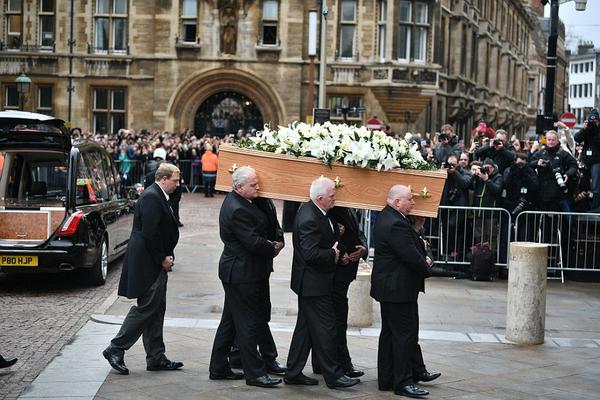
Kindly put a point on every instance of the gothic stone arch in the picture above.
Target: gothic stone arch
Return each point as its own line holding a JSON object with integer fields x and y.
{"x": 190, "y": 95}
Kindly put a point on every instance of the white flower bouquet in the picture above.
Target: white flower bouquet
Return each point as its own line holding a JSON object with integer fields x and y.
{"x": 349, "y": 145}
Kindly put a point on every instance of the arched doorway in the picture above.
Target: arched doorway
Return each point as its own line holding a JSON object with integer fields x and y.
{"x": 194, "y": 93}
{"x": 227, "y": 112}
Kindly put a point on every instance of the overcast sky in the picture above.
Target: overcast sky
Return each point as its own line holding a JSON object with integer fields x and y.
{"x": 581, "y": 25}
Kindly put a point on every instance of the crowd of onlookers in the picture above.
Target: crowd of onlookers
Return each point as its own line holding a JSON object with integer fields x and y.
{"x": 559, "y": 171}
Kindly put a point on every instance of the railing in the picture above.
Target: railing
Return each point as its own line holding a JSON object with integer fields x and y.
{"x": 573, "y": 238}
{"x": 134, "y": 171}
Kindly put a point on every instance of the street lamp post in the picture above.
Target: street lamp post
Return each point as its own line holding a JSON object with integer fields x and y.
{"x": 323, "y": 55}
{"x": 23, "y": 84}
{"x": 580, "y": 5}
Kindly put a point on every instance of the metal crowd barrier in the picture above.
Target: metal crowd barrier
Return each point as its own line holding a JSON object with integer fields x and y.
{"x": 457, "y": 231}
{"x": 134, "y": 171}
{"x": 573, "y": 239}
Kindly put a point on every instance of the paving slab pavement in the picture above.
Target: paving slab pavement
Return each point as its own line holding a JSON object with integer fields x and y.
{"x": 462, "y": 336}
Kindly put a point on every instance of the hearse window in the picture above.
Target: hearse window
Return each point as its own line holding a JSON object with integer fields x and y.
{"x": 99, "y": 175}
{"x": 86, "y": 193}
{"x": 39, "y": 178}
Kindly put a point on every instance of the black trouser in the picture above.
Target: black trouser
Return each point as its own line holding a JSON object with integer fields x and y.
{"x": 266, "y": 344}
{"x": 340, "y": 305}
{"x": 315, "y": 329}
{"x": 399, "y": 356}
{"x": 146, "y": 320}
{"x": 241, "y": 319}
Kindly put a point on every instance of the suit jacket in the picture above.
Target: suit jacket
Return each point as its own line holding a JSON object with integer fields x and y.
{"x": 399, "y": 266}
{"x": 244, "y": 229}
{"x": 313, "y": 265}
{"x": 153, "y": 237}
{"x": 351, "y": 238}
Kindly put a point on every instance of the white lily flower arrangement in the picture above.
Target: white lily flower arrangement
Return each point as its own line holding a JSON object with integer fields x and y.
{"x": 349, "y": 145}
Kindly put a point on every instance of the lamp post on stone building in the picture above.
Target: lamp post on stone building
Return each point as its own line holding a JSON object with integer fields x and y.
{"x": 23, "y": 84}
{"x": 547, "y": 117}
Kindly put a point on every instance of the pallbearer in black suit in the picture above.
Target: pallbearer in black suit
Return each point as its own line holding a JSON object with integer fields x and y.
{"x": 244, "y": 269}
{"x": 355, "y": 243}
{"x": 150, "y": 255}
{"x": 316, "y": 254}
{"x": 399, "y": 271}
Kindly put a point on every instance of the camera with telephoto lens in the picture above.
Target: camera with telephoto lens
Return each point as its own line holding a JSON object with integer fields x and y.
{"x": 559, "y": 178}
{"x": 497, "y": 142}
{"x": 519, "y": 207}
{"x": 443, "y": 136}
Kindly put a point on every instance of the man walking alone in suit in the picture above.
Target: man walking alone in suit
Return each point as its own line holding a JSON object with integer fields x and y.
{"x": 244, "y": 269}
{"x": 150, "y": 255}
{"x": 316, "y": 254}
{"x": 399, "y": 269}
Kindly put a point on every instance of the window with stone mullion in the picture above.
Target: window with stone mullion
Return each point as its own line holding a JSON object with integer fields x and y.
{"x": 14, "y": 23}
{"x": 347, "y": 20}
{"x": 412, "y": 30}
{"x": 110, "y": 26}
{"x": 46, "y": 24}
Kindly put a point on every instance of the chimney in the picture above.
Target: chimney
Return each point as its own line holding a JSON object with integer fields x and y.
{"x": 585, "y": 47}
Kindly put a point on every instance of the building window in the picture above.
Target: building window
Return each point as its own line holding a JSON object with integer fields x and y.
{"x": 270, "y": 18}
{"x": 463, "y": 55}
{"x": 11, "y": 96}
{"x": 110, "y": 26}
{"x": 108, "y": 109}
{"x": 411, "y": 39}
{"x": 530, "y": 88}
{"x": 381, "y": 29}
{"x": 46, "y": 15}
{"x": 189, "y": 21}
{"x": 347, "y": 28}
{"x": 14, "y": 23}
{"x": 44, "y": 99}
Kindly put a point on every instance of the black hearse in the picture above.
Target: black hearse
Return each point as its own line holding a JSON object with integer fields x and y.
{"x": 62, "y": 205}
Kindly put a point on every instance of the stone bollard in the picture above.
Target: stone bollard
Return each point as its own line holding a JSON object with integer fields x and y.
{"x": 360, "y": 303}
{"x": 526, "y": 297}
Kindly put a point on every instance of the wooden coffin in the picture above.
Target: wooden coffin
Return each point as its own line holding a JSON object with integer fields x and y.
{"x": 288, "y": 178}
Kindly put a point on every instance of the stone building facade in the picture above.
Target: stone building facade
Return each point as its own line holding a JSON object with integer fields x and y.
{"x": 221, "y": 65}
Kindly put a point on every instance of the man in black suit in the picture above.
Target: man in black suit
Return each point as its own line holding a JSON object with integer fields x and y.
{"x": 399, "y": 271}
{"x": 316, "y": 254}
{"x": 355, "y": 242}
{"x": 266, "y": 344}
{"x": 244, "y": 269}
{"x": 150, "y": 255}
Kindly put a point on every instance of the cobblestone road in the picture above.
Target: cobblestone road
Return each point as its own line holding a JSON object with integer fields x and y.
{"x": 38, "y": 316}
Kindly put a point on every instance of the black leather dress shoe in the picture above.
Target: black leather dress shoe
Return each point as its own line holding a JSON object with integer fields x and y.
{"x": 116, "y": 361}
{"x": 273, "y": 367}
{"x": 264, "y": 381}
{"x": 343, "y": 382}
{"x": 165, "y": 365}
{"x": 354, "y": 373}
{"x": 300, "y": 379}
{"x": 411, "y": 391}
{"x": 7, "y": 363}
{"x": 227, "y": 376}
{"x": 427, "y": 376}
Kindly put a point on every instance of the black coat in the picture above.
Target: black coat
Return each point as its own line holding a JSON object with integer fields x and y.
{"x": 503, "y": 158}
{"x": 555, "y": 158}
{"x": 520, "y": 182}
{"x": 313, "y": 265}
{"x": 399, "y": 266}
{"x": 247, "y": 253}
{"x": 153, "y": 237}
{"x": 351, "y": 238}
{"x": 590, "y": 136}
{"x": 456, "y": 189}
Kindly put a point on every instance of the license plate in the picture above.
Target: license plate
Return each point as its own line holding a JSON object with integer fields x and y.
{"x": 18, "y": 261}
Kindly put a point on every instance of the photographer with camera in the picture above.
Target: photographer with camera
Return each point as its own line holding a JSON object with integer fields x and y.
{"x": 590, "y": 137}
{"x": 447, "y": 144}
{"x": 499, "y": 150}
{"x": 556, "y": 170}
{"x": 521, "y": 185}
